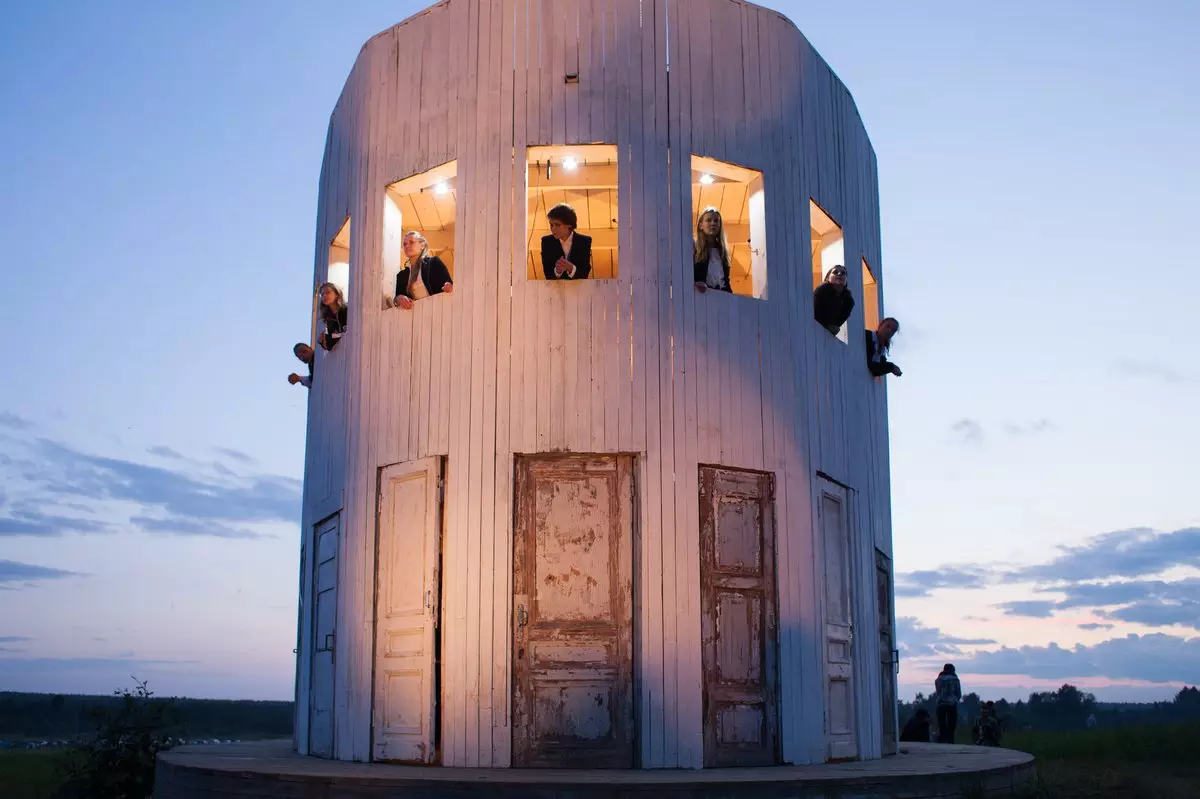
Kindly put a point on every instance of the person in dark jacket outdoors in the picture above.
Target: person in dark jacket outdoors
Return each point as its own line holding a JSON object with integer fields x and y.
{"x": 566, "y": 255}
{"x": 948, "y": 691}
{"x": 423, "y": 274}
{"x": 879, "y": 341}
{"x": 710, "y": 257}
{"x": 333, "y": 315}
{"x": 916, "y": 729}
{"x": 306, "y": 355}
{"x": 832, "y": 300}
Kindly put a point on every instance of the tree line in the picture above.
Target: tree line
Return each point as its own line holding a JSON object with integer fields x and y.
{"x": 1067, "y": 708}
{"x": 69, "y": 717}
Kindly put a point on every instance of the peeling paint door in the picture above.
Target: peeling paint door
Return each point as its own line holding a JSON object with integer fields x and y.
{"x": 834, "y": 524}
{"x": 320, "y": 694}
{"x": 573, "y": 612}
{"x": 407, "y": 602}
{"x": 739, "y": 628}
{"x": 887, "y": 644}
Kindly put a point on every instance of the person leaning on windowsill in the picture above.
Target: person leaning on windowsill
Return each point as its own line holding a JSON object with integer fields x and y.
{"x": 306, "y": 355}
{"x": 832, "y": 300}
{"x": 566, "y": 255}
{"x": 710, "y": 256}
{"x": 423, "y": 274}
{"x": 879, "y": 341}
{"x": 334, "y": 315}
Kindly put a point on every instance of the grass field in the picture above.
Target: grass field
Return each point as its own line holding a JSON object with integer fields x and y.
{"x": 30, "y": 774}
{"x": 1158, "y": 762}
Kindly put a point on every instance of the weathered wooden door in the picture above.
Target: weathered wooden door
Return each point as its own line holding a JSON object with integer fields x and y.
{"x": 320, "y": 692}
{"x": 739, "y": 628}
{"x": 573, "y": 612}
{"x": 407, "y": 602}
{"x": 834, "y": 515}
{"x": 887, "y": 669}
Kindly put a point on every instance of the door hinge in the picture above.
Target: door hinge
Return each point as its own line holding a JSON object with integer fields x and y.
{"x": 441, "y": 487}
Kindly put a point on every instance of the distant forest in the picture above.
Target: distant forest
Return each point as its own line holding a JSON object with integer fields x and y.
{"x": 68, "y": 717}
{"x": 1068, "y": 708}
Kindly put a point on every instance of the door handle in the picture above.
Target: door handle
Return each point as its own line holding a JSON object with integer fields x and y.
{"x": 429, "y": 599}
{"x": 522, "y": 616}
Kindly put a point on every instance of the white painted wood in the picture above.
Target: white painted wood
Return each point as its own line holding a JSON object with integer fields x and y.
{"x": 641, "y": 364}
{"x": 407, "y": 609}
{"x": 833, "y": 516}
{"x": 325, "y": 600}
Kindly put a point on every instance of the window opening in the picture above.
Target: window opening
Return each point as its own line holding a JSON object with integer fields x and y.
{"x": 739, "y": 198}
{"x": 425, "y": 203}
{"x": 583, "y": 178}
{"x": 870, "y": 294}
{"x": 328, "y": 330}
{"x": 828, "y": 252}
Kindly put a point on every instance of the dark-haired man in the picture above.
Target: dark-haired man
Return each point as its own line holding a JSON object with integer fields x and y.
{"x": 305, "y": 354}
{"x": 566, "y": 255}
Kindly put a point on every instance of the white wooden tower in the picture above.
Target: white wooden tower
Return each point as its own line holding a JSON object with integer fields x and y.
{"x": 614, "y": 522}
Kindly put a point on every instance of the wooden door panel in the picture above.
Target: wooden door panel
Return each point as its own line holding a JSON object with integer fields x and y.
{"x": 887, "y": 669}
{"x": 407, "y": 595}
{"x": 739, "y": 617}
{"x": 836, "y": 609}
{"x": 573, "y": 612}
{"x": 320, "y": 718}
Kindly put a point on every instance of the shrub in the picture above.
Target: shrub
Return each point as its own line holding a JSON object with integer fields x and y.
{"x": 117, "y": 762}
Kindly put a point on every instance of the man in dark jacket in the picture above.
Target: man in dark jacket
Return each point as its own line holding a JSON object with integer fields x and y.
{"x": 916, "y": 729}
{"x": 305, "y": 354}
{"x": 566, "y": 255}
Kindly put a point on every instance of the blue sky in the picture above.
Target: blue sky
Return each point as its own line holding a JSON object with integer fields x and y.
{"x": 1037, "y": 174}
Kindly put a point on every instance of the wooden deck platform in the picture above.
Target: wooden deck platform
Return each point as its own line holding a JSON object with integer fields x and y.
{"x": 272, "y": 769}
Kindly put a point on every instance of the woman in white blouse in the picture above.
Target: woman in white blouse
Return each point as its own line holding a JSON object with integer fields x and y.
{"x": 711, "y": 256}
{"x": 423, "y": 274}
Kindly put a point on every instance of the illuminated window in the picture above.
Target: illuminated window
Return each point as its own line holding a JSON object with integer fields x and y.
{"x": 583, "y": 177}
{"x": 738, "y": 196}
{"x": 337, "y": 272}
{"x": 870, "y": 298}
{"x": 828, "y": 249}
{"x": 425, "y": 203}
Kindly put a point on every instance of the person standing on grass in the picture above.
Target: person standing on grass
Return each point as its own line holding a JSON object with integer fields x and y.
{"x": 948, "y": 690}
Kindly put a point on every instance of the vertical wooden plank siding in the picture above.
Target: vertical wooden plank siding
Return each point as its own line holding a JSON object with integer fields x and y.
{"x": 640, "y": 365}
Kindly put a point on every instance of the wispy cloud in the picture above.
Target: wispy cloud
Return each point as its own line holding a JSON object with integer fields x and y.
{"x": 968, "y": 431}
{"x": 921, "y": 583}
{"x": 77, "y": 475}
{"x": 14, "y": 422}
{"x": 1153, "y": 603}
{"x": 1028, "y": 428}
{"x": 1037, "y": 609}
{"x": 1095, "y": 625}
{"x": 234, "y": 454}
{"x": 33, "y": 523}
{"x": 915, "y": 640}
{"x": 192, "y": 527}
{"x": 1122, "y": 553}
{"x": 14, "y": 639}
{"x": 179, "y": 497}
{"x": 1156, "y": 657}
{"x": 1151, "y": 370}
{"x": 14, "y": 574}
{"x": 165, "y": 452}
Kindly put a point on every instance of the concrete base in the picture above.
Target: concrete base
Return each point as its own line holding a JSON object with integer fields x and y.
{"x": 272, "y": 769}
